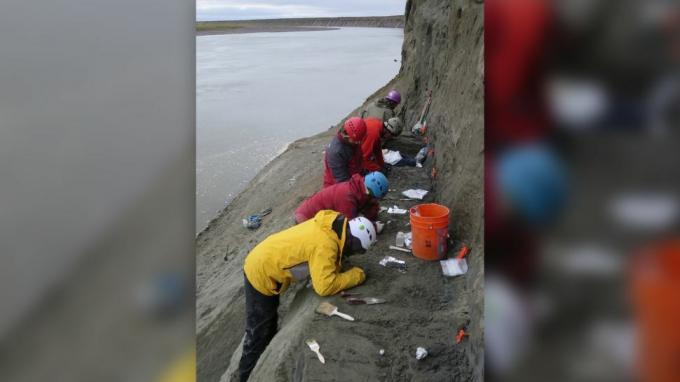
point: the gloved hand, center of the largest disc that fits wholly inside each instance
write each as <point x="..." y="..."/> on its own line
<point x="379" y="226"/>
<point x="360" y="274"/>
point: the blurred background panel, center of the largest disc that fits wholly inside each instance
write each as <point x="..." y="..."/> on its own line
<point x="97" y="196"/>
<point x="582" y="190"/>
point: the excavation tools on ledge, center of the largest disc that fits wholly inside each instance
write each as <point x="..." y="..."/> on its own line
<point x="400" y="249"/>
<point x="420" y="127"/>
<point x="329" y="309"/>
<point x="355" y="299"/>
<point x="315" y="348"/>
<point x="365" y="300"/>
<point x="254" y="221"/>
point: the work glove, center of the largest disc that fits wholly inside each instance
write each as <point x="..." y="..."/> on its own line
<point x="360" y="274"/>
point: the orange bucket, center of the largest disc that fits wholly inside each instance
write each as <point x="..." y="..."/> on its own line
<point x="655" y="291"/>
<point x="429" y="229"/>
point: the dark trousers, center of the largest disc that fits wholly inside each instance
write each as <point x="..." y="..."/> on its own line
<point x="405" y="161"/>
<point x="261" y="320"/>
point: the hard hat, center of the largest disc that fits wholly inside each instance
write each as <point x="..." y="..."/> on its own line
<point x="394" y="126"/>
<point x="533" y="180"/>
<point x="376" y="183"/>
<point x="394" y="96"/>
<point x="355" y="129"/>
<point x="363" y="229"/>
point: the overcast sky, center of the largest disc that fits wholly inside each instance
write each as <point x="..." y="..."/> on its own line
<point x="271" y="9"/>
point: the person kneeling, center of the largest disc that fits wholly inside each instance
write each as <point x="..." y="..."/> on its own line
<point x="359" y="195"/>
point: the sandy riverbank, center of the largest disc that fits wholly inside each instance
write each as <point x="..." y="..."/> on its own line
<point x="261" y="28"/>
<point x="296" y="24"/>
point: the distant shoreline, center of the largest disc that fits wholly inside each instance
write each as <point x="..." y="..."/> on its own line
<point x="261" y="28"/>
<point x="296" y="24"/>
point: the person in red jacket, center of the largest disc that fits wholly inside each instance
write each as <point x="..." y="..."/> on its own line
<point x="358" y="195"/>
<point x="377" y="132"/>
<point x="343" y="155"/>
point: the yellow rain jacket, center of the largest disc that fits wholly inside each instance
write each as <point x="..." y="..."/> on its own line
<point x="314" y="242"/>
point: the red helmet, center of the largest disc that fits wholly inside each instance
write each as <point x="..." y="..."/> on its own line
<point x="355" y="129"/>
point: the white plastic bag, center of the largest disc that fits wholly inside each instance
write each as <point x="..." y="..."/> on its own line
<point x="396" y="210"/>
<point x="391" y="157"/>
<point x="454" y="267"/>
<point x="415" y="193"/>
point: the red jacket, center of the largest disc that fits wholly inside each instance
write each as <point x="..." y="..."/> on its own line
<point x="515" y="36"/>
<point x="349" y="198"/>
<point x="371" y="148"/>
<point x="340" y="162"/>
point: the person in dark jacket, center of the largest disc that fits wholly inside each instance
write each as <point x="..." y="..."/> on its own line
<point x="359" y="195"/>
<point x="377" y="132"/>
<point x="343" y="156"/>
<point x="383" y="109"/>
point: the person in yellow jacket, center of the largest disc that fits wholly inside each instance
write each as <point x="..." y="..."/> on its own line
<point x="312" y="249"/>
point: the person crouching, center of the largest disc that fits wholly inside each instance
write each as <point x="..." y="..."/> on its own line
<point x="359" y="195"/>
<point x="312" y="249"/>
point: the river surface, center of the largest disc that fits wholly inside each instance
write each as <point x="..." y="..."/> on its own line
<point x="258" y="92"/>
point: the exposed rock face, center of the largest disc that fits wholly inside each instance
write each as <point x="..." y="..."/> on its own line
<point x="442" y="51"/>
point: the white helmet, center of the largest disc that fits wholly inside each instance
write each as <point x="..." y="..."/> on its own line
<point x="363" y="229"/>
<point x="394" y="126"/>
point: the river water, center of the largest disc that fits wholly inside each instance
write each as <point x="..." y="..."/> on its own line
<point x="257" y="92"/>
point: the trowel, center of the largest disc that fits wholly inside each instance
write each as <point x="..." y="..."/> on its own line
<point x="349" y="294"/>
<point x="364" y="300"/>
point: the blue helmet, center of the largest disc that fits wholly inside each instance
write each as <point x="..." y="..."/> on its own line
<point x="535" y="182"/>
<point x="377" y="184"/>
